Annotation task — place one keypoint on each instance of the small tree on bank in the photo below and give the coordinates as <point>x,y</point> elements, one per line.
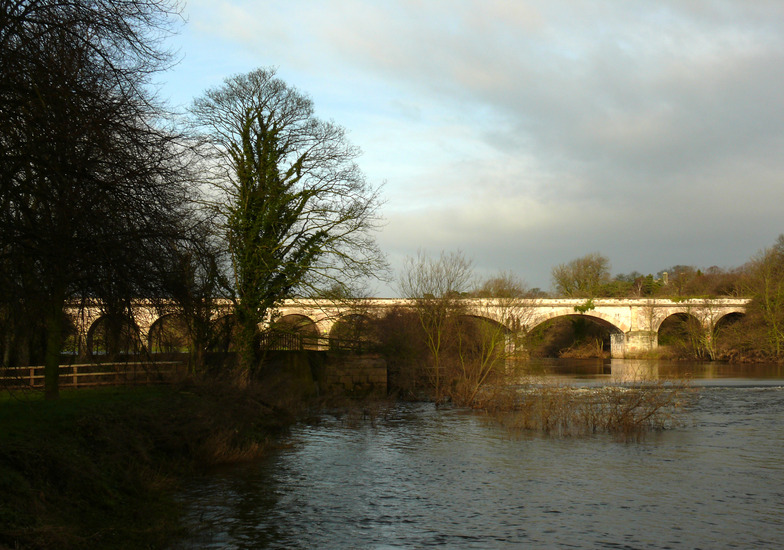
<point>297,211</point>
<point>437,287</point>
<point>469,347</point>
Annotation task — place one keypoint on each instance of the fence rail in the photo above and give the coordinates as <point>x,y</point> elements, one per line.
<point>154,372</point>
<point>281,340</point>
<point>96,374</point>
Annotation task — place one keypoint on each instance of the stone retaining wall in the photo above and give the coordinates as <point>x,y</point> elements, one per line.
<point>311,373</point>
<point>352,374</point>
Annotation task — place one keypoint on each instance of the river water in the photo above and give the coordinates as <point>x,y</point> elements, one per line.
<point>418,477</point>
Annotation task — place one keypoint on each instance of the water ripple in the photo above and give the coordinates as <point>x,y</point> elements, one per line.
<point>426,478</point>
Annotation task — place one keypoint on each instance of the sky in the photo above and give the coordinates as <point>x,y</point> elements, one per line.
<point>529,133</point>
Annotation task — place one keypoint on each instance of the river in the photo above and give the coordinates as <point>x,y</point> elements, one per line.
<point>418,477</point>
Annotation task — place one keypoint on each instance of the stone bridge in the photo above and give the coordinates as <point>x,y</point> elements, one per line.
<point>633,323</point>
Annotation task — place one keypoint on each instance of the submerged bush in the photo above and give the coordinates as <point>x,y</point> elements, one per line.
<point>629,408</point>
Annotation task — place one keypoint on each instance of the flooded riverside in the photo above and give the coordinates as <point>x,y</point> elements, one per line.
<point>419,477</point>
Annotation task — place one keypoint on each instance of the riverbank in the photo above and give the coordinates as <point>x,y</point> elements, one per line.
<point>98,468</point>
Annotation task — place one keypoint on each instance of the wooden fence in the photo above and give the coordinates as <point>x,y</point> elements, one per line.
<point>96,374</point>
<point>157,372</point>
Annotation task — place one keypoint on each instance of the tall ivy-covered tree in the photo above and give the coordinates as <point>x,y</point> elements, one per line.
<point>298,212</point>
<point>89,178</point>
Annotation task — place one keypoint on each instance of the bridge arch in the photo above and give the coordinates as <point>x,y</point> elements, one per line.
<point>483,323</point>
<point>678,328</point>
<point>482,335</point>
<point>599,317</point>
<point>567,333</point>
<point>298,325</point>
<point>224,333</point>
<point>113,334</point>
<point>728,319</point>
<point>352,331</point>
<point>297,322</point>
<point>481,317</point>
<point>169,334</point>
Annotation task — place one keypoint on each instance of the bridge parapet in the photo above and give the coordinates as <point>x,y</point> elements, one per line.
<point>633,323</point>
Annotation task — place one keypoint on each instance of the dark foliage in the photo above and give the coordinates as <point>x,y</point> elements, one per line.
<point>90,179</point>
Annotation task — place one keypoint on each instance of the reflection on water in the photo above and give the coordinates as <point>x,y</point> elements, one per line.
<point>628,370</point>
<point>419,477</point>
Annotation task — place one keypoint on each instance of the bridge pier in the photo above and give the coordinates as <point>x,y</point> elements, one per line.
<point>617,345</point>
<point>635,343</point>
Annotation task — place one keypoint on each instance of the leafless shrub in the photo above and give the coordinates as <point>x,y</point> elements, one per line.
<point>627,408</point>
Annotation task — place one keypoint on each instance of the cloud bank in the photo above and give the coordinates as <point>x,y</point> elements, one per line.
<point>530,133</point>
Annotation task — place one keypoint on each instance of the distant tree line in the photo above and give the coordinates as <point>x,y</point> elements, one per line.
<point>758,335</point>
<point>589,277</point>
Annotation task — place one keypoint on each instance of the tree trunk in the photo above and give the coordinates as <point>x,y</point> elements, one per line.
<point>248,339</point>
<point>54,340</point>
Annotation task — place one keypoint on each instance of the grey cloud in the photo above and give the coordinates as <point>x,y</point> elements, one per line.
<point>652,132</point>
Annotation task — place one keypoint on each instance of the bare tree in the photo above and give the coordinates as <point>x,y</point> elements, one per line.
<point>491,341</point>
<point>765,283</point>
<point>437,287</point>
<point>195,281</point>
<point>503,285</point>
<point>89,177</point>
<point>582,277</point>
<point>297,211</point>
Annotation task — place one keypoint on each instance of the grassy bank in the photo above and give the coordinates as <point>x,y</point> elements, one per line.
<point>97,468</point>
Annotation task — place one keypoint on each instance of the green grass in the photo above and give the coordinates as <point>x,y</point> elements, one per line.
<point>98,468</point>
